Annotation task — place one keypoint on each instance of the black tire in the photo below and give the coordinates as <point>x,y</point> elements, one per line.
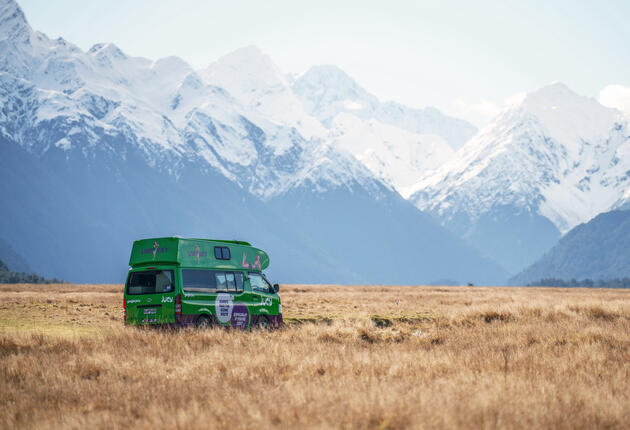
<point>203,322</point>
<point>263,323</point>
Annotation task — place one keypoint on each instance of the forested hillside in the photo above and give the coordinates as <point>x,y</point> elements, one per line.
<point>597,250</point>
<point>7,276</point>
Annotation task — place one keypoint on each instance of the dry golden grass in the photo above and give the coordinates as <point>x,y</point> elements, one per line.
<point>350,357</point>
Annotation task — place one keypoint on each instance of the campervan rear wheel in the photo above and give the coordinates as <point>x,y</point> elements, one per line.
<point>263,323</point>
<point>203,322</point>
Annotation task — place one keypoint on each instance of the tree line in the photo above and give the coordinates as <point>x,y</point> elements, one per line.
<point>7,276</point>
<point>588,283</point>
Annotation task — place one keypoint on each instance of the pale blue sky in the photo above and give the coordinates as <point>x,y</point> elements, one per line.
<point>447,54</point>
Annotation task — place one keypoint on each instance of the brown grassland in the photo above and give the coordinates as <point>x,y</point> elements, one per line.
<point>349,357</point>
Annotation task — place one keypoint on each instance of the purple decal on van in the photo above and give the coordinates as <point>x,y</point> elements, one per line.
<point>240,316</point>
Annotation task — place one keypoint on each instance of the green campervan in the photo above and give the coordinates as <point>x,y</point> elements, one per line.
<point>200,282</point>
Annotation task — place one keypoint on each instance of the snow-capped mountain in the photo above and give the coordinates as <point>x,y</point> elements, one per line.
<point>394,142</point>
<point>327,91</point>
<point>168,110</point>
<point>255,81</point>
<point>395,155</point>
<point>551,161</point>
<point>398,144</point>
<point>98,148</point>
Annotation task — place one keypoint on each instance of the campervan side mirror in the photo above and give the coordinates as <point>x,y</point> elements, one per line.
<point>276,288</point>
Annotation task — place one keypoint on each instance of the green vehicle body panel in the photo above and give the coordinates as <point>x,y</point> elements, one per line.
<point>196,252</point>
<point>238,309</point>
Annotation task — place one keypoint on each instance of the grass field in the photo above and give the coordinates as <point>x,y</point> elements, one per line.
<point>349,357</point>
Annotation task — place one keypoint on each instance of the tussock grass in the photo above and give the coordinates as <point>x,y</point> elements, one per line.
<point>349,357</point>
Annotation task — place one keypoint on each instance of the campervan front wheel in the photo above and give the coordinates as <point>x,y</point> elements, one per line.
<point>203,322</point>
<point>263,323</point>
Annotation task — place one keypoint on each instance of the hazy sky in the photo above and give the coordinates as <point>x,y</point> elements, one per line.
<point>463,57</point>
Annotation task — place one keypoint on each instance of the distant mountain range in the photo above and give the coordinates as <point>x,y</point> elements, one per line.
<point>98,149</point>
<point>596,250</point>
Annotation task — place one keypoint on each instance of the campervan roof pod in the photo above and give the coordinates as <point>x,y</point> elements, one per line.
<point>203,253</point>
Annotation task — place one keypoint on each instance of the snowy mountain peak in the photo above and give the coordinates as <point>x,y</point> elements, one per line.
<point>172,66</point>
<point>246,54</point>
<point>554,89</point>
<point>331,81</point>
<point>244,71</point>
<point>254,80</point>
<point>13,24</point>
<point>192,81</point>
<point>555,97</point>
<point>109,49</point>
<point>568,117</point>
<point>327,91</point>
<point>107,52</point>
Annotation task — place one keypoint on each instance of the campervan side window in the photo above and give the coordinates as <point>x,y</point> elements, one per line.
<point>227,282</point>
<point>239,281</point>
<point>202,281</point>
<point>231,282</point>
<point>221,282</point>
<point>222,253</point>
<point>212,281</point>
